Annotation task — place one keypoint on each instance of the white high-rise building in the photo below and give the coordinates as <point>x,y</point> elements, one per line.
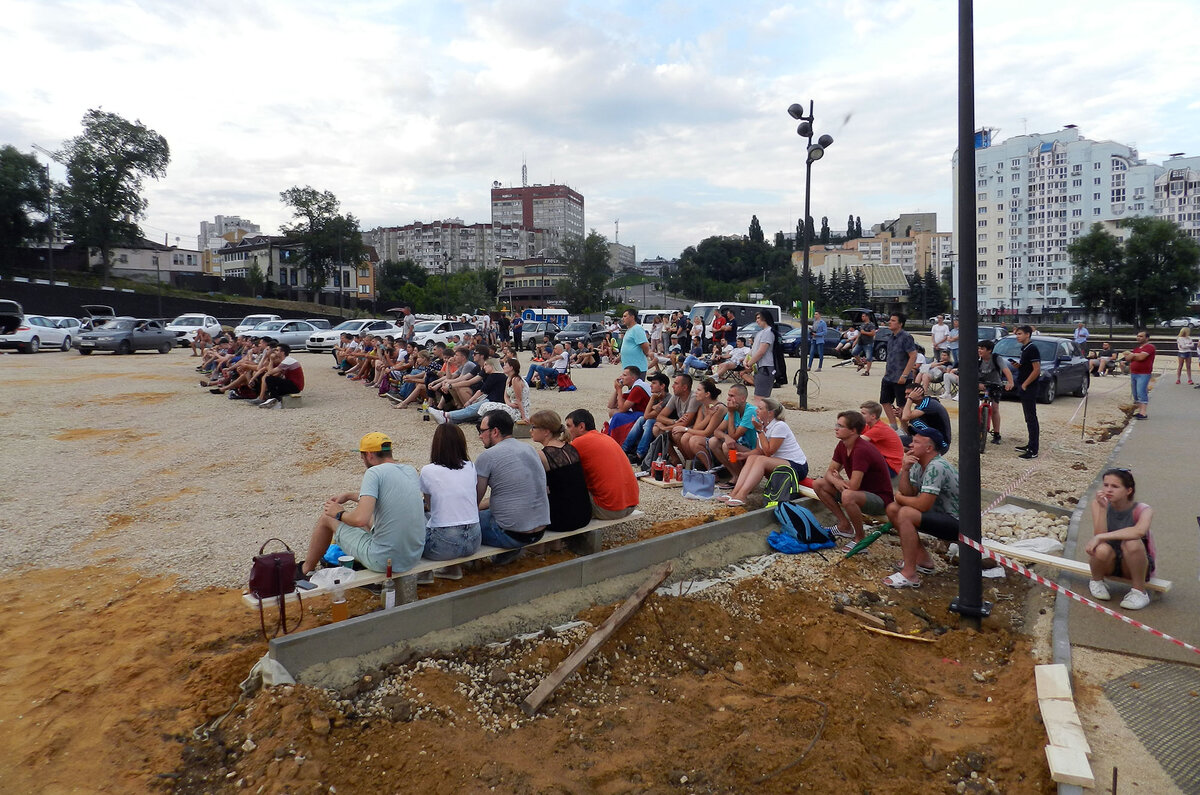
<point>1034,194</point>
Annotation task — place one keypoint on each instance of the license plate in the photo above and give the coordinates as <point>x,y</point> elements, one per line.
<point>86,344</point>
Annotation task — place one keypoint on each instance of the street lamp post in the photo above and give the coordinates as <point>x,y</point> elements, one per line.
<point>814,153</point>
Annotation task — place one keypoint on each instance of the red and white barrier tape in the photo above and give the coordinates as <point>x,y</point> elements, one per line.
<point>1017,567</point>
<point>1009,490</point>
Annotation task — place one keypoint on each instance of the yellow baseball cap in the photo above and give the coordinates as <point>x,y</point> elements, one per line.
<point>375,443</point>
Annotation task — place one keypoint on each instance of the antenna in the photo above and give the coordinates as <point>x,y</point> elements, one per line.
<point>617,234</point>
<point>524,173</point>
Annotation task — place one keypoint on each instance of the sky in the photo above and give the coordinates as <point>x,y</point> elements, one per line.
<point>669,116</point>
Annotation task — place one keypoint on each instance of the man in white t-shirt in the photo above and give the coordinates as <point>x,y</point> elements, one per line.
<point>939,332</point>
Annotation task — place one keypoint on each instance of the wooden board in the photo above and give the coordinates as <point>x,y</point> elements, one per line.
<point>1063,726</point>
<point>1052,681</point>
<point>863,615</point>
<point>659,484</point>
<point>1069,766</point>
<point>364,577</point>
<point>1065,564</point>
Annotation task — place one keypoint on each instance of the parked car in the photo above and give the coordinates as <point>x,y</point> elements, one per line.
<point>1180,322</point>
<point>430,332</point>
<point>73,325</point>
<point>1064,367</point>
<point>29,333</point>
<point>994,333</point>
<point>792,341</point>
<point>293,333</point>
<point>326,341</point>
<point>534,331</point>
<point>747,332</point>
<point>250,321</point>
<point>581,330</point>
<point>126,335</point>
<point>95,314</point>
<point>319,323</point>
<point>186,325</point>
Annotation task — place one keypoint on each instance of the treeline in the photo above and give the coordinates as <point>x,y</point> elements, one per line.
<point>406,283</point>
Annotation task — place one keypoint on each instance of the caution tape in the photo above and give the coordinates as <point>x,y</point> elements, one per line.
<point>1009,490</point>
<point>1017,567</point>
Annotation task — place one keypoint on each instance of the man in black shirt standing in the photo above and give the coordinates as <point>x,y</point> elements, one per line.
<point>1028,372</point>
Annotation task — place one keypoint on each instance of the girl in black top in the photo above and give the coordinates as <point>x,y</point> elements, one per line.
<point>570,505</point>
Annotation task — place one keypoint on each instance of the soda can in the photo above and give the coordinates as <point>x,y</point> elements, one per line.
<point>733,455</point>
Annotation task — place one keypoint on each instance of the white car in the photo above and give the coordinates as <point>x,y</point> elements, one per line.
<point>185,327</point>
<point>29,333</point>
<point>73,325</point>
<point>293,333</point>
<point>250,321</point>
<point>326,341</point>
<point>428,332</point>
<point>1180,322</point>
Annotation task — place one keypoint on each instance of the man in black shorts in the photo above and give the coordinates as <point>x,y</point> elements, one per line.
<point>900,369</point>
<point>926,502</point>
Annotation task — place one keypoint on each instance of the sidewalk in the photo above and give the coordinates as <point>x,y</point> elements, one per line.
<point>1161,452</point>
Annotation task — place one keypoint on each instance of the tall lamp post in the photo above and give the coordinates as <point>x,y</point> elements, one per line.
<point>815,152</point>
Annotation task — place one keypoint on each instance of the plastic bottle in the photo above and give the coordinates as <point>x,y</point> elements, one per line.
<point>425,410</point>
<point>657,468</point>
<point>339,610</point>
<point>387,594</point>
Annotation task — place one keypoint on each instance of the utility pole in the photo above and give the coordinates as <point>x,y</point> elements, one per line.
<point>49,209</point>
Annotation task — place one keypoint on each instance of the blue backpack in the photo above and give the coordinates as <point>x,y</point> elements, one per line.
<point>799,531</point>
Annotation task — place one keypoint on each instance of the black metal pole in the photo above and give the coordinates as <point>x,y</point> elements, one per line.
<point>969,604</point>
<point>802,381</point>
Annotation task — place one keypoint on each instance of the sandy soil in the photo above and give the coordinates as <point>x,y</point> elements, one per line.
<point>142,497</point>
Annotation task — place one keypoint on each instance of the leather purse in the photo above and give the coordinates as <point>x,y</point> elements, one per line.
<point>274,574</point>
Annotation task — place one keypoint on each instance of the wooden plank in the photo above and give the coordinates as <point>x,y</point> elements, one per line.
<point>659,484</point>
<point>1065,564</point>
<point>534,700</point>
<point>1052,681</point>
<point>863,615</point>
<point>1063,726</point>
<point>878,631</point>
<point>1069,766</point>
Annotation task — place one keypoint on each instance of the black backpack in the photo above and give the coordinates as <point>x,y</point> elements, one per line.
<point>782,486</point>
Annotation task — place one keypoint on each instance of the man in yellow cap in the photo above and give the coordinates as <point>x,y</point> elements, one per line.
<point>388,520</point>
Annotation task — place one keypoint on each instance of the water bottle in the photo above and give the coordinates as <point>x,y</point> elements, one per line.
<point>339,610</point>
<point>387,593</point>
<point>425,410</point>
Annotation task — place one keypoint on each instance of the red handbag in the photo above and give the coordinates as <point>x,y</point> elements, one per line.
<point>274,574</point>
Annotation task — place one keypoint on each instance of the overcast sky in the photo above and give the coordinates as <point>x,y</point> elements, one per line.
<point>670,116</point>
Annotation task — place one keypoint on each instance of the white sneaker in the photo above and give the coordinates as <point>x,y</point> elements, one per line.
<point>266,404</point>
<point>955,398</point>
<point>438,415</point>
<point>1099,590</point>
<point>1135,600</point>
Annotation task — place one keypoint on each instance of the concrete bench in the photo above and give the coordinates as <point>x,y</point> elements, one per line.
<point>292,401</point>
<point>587,540</point>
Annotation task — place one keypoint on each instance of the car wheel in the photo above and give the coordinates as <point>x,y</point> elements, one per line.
<point>66,343</point>
<point>33,346</point>
<point>881,352</point>
<point>125,347</point>
<point>85,351</point>
<point>1049,391</point>
<point>1083,386</point>
<point>164,348</point>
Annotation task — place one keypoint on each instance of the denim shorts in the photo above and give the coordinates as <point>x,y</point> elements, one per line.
<point>454,541</point>
<point>1140,384</point>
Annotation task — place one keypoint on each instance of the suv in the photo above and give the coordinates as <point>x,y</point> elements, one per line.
<point>428,332</point>
<point>185,326</point>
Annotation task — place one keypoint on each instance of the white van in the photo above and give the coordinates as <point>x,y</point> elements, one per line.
<point>646,317</point>
<point>744,313</point>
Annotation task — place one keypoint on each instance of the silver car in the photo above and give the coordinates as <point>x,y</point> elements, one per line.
<point>126,335</point>
<point>326,341</point>
<point>293,333</point>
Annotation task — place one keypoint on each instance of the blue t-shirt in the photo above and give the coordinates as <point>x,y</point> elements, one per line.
<point>632,354</point>
<point>745,419</point>
<point>398,527</point>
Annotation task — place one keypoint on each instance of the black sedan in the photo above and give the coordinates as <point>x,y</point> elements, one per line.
<point>126,335</point>
<point>582,331</point>
<point>1064,368</point>
<point>791,341</point>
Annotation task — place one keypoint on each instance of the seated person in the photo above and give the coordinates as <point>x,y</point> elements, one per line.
<point>924,411</point>
<point>848,341</point>
<point>570,504</point>
<point>611,485</point>
<point>627,404</point>
<point>691,439</point>
<point>927,502</point>
<point>491,390</point>
<point>201,341</point>
<point>1121,545</point>
<point>1102,362</point>
<point>777,446</point>
<point>943,370</point>
<point>736,435</point>
<point>882,436</point>
<point>681,410</point>
<point>388,521</point>
<point>736,363</point>
<point>659,389</point>
<point>448,486</point>
<point>585,355</point>
<point>511,488</point>
<point>284,378</point>
<point>857,481</point>
<point>558,362</point>
<point>694,360</point>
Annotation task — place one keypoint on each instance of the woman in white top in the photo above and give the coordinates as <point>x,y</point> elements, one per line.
<point>777,446</point>
<point>656,330</point>
<point>1187,351</point>
<point>448,483</point>
<point>516,394</point>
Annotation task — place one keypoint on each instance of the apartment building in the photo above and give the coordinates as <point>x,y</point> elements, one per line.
<point>215,235</point>
<point>555,209</point>
<point>452,245</point>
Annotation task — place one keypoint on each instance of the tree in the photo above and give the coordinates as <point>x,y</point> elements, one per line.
<point>824,230</point>
<point>858,227</point>
<point>106,166</point>
<point>24,189</point>
<point>327,238</point>
<point>756,232</point>
<point>781,241</point>
<point>587,271</point>
<point>394,275</point>
<point>935,295</point>
<point>850,234</point>
<point>255,278</point>
<point>1155,267</point>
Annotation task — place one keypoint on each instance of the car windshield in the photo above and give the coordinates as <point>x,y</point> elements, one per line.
<point>1010,348</point>
<point>116,325</point>
<point>426,326</point>
<point>986,332</point>
<point>254,320</point>
<point>348,325</point>
<point>187,321</point>
<point>578,327</point>
<point>705,313</point>
<point>796,332</point>
<point>270,325</point>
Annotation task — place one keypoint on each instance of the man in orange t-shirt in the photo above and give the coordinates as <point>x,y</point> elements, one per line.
<point>882,436</point>
<point>610,480</point>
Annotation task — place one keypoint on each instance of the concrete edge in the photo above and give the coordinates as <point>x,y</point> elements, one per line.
<point>988,496</point>
<point>335,654</point>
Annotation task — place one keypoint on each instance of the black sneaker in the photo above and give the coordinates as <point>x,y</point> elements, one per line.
<point>1022,448</point>
<point>1028,454</point>
<point>995,437</point>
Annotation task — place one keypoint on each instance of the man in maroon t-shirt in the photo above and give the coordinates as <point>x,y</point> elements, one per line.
<point>1141,365</point>
<point>285,378</point>
<point>858,480</point>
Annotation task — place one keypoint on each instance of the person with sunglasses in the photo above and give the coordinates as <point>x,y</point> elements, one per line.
<point>511,488</point>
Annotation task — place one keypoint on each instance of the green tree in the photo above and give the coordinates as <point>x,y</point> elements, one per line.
<point>106,166</point>
<point>862,296</point>
<point>327,238</point>
<point>394,275</point>
<point>858,227</point>
<point>756,232</point>
<point>24,189</point>
<point>781,242</point>
<point>935,295</point>
<point>587,271</point>
<point>1154,267</point>
<point>825,234</point>
<point>850,234</point>
<point>256,279</point>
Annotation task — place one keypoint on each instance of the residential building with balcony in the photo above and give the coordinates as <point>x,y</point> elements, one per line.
<point>452,245</point>
<point>215,235</point>
<point>555,209</point>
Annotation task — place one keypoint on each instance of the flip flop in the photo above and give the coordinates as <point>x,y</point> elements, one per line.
<point>724,498</point>
<point>732,503</point>
<point>898,565</point>
<point>898,580</point>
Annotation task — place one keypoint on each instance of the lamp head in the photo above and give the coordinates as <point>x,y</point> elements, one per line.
<point>796,110</point>
<point>804,129</point>
<point>815,153</point>
<point>825,140</point>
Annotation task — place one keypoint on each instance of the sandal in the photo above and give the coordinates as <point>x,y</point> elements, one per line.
<point>732,503</point>
<point>898,565</point>
<point>898,580</point>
